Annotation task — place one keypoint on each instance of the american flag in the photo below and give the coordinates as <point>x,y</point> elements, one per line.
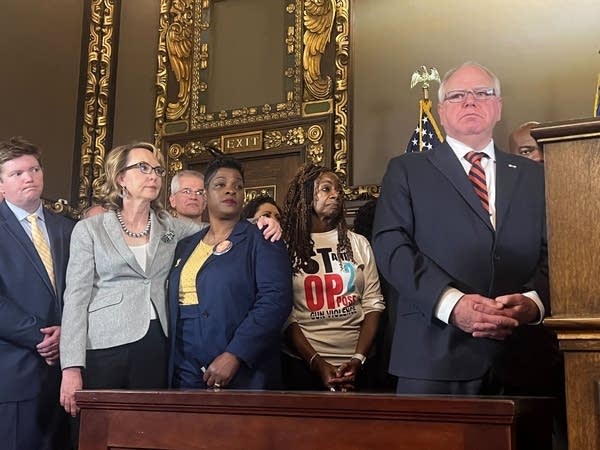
<point>427,132</point>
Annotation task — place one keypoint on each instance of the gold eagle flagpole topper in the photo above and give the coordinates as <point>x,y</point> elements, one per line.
<point>424,76</point>
<point>427,133</point>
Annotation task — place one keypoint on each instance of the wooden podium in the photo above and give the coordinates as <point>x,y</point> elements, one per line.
<point>261,420</point>
<point>572,161</point>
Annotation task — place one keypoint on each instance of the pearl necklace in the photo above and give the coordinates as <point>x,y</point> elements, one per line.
<point>131,233</point>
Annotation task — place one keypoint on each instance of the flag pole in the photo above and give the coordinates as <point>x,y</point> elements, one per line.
<point>427,133</point>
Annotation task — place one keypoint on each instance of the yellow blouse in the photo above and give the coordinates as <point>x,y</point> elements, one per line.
<point>187,281</point>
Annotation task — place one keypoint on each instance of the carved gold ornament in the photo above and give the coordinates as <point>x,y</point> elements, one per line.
<point>96,102</point>
<point>179,39</point>
<point>318,23</point>
<point>341,157</point>
<point>309,27</point>
<point>252,192</point>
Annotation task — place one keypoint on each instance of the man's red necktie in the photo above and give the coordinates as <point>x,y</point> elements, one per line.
<point>477,177</point>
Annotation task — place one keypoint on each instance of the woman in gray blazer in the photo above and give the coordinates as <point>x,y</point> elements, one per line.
<point>114,324</point>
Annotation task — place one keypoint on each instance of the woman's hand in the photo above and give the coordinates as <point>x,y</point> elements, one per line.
<point>327,373</point>
<point>71,382</point>
<point>271,228</point>
<point>221,370</point>
<point>346,374</point>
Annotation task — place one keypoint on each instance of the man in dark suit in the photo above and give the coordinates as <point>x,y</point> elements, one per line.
<point>460,237</point>
<point>31,286</point>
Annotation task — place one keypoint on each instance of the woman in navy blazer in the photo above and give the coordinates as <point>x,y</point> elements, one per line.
<point>229,295</point>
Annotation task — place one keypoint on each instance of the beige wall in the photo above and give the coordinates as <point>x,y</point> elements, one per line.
<point>136,72</point>
<point>39,77</point>
<point>545,53</point>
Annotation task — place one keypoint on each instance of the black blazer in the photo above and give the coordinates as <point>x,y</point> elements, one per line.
<point>431,232</point>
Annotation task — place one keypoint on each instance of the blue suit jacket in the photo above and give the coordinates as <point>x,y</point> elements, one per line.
<point>245,297</point>
<point>28,303</point>
<point>431,232</point>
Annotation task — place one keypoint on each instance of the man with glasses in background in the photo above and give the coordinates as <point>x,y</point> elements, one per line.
<point>460,236</point>
<point>187,195</point>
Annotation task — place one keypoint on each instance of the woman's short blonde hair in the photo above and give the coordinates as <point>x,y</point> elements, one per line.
<point>112,191</point>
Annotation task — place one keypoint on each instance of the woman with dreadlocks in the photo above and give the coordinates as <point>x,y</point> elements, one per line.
<point>337,299</point>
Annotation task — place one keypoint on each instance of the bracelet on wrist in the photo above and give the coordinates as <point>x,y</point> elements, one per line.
<point>362,358</point>
<point>312,358</point>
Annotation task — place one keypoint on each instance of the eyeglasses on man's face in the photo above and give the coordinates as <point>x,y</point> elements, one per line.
<point>146,168</point>
<point>190,192</point>
<point>479,94</point>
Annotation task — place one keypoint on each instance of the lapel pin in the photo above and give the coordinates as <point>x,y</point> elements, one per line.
<point>177,262</point>
<point>168,236</point>
<point>512,166</point>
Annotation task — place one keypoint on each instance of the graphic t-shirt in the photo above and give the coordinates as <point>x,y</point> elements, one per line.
<point>333,295</point>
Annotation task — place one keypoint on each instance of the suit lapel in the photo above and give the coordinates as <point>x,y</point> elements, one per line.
<point>507,178</point>
<point>113,230</point>
<point>16,232</point>
<point>182,258</point>
<point>444,159</point>
<point>156,232</point>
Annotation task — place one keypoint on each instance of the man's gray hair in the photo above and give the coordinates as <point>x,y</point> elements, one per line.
<point>492,75</point>
<point>184,173</point>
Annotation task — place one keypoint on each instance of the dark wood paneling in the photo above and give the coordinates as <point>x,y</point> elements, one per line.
<point>303,421</point>
<point>582,373</point>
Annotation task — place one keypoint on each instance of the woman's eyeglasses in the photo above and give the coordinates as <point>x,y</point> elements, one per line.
<point>146,168</point>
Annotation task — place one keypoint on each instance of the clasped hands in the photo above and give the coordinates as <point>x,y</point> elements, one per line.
<point>341,378</point>
<point>484,317</point>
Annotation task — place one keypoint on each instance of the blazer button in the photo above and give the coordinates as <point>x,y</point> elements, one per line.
<point>205,314</point>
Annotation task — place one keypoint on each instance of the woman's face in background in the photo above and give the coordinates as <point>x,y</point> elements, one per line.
<point>328,196</point>
<point>268,210</point>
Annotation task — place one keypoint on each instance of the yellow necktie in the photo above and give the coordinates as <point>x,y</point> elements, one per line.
<point>42,247</point>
